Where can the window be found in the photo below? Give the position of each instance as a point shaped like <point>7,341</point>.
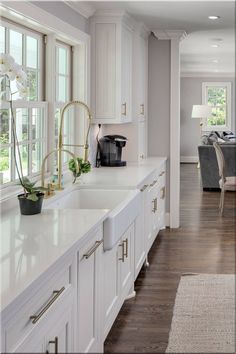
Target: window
<point>31,114</point>
<point>218,95</point>
<point>63,93</point>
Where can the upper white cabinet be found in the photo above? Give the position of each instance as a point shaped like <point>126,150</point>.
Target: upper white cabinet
<point>112,49</point>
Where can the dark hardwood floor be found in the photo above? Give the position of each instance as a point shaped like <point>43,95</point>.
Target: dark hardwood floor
<point>205,243</point>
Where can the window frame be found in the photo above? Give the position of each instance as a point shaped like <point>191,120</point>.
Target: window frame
<point>228,121</point>
<point>53,28</point>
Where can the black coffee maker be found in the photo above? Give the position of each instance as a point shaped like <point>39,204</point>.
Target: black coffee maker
<point>110,151</point>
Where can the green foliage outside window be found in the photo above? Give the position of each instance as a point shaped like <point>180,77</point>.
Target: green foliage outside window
<point>216,97</point>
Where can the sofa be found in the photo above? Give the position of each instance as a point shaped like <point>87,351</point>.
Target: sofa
<point>209,167</point>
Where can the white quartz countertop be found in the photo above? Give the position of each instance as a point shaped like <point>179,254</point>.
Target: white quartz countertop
<point>130,176</point>
<point>31,244</point>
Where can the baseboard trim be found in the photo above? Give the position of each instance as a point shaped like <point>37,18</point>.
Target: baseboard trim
<point>167,219</point>
<point>189,159</point>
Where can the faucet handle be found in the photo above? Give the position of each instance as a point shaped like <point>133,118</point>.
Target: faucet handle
<point>50,190</point>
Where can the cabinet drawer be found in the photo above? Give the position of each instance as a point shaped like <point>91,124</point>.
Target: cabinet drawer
<point>39,302</point>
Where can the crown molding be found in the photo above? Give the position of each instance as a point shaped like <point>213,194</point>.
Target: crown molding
<point>169,34</point>
<point>207,74</point>
<point>82,7</point>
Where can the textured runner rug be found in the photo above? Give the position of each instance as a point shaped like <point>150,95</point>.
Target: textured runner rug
<point>204,315</point>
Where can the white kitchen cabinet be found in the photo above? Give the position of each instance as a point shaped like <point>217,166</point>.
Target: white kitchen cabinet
<point>139,238</point>
<point>118,277</point>
<point>89,295</point>
<point>112,44</point>
<point>54,331</point>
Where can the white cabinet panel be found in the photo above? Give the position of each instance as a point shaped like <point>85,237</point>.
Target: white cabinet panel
<point>89,296</point>
<point>105,82</point>
<point>111,69</point>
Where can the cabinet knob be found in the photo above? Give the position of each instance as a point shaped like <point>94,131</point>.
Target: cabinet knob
<point>124,108</point>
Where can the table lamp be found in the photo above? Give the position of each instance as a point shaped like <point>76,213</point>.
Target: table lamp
<point>201,111</point>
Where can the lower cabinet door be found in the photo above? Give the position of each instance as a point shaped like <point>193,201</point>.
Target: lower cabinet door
<point>126,266</point>
<point>32,344</point>
<point>111,290</point>
<point>53,334</point>
<point>59,338</point>
<point>89,283</point>
<point>139,243</point>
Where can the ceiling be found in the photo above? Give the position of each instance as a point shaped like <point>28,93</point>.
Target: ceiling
<point>197,55</point>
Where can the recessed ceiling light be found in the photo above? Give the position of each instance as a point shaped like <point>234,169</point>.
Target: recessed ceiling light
<point>215,61</point>
<point>215,45</point>
<point>213,17</point>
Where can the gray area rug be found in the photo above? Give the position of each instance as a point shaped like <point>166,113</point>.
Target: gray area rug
<point>204,315</point>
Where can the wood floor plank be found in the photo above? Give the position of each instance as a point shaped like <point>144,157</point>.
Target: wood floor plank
<point>204,243</point>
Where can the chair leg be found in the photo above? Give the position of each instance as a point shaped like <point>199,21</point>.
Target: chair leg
<point>222,200</point>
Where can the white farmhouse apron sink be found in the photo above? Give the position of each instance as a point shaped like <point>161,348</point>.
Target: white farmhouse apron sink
<point>124,206</point>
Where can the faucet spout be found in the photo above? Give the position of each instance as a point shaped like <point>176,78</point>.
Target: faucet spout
<point>60,138</point>
<point>77,166</point>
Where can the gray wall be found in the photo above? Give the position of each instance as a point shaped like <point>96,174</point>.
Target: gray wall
<point>190,94</point>
<point>65,13</point>
<point>159,100</point>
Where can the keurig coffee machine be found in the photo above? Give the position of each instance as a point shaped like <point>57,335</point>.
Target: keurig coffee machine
<point>110,150</point>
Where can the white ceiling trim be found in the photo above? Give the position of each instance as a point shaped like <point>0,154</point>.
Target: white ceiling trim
<point>210,74</point>
<point>83,8</point>
<point>170,34</point>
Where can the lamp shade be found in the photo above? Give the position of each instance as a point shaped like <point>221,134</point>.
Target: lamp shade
<point>201,111</point>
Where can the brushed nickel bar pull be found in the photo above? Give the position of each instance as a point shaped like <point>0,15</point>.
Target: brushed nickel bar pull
<point>153,202</point>
<point>55,342</point>
<point>163,192</point>
<point>143,188</point>
<point>124,109</point>
<point>92,249</point>
<point>153,183</point>
<point>126,247</point>
<point>57,293</point>
<point>122,245</point>
<point>142,109</point>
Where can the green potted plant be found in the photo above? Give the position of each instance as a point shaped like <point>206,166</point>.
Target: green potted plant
<point>84,167</point>
<point>32,197</point>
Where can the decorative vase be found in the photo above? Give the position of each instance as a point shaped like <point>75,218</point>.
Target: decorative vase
<point>30,207</point>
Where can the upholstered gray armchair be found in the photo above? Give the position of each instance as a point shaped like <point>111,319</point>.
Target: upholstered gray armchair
<point>209,166</point>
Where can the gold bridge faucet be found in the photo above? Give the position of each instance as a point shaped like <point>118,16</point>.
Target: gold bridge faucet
<point>60,149</point>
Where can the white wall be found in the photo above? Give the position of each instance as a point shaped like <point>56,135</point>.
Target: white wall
<point>65,13</point>
<point>190,94</point>
<point>159,100</point>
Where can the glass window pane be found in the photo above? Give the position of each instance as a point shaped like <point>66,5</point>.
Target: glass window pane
<point>16,46</point>
<point>62,61</point>
<point>62,94</point>
<point>24,152</point>
<point>37,156</point>
<point>2,39</point>
<point>32,79</point>
<point>56,124</point>
<point>14,89</point>
<point>216,95</point>
<point>5,172</point>
<point>4,126</point>
<point>218,116</point>
<point>31,52</point>
<point>22,124</point>
<point>37,123</point>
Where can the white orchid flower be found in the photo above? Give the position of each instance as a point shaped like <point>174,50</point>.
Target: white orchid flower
<point>11,73</point>
<point>23,92</point>
<point>6,61</point>
<point>21,75</point>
